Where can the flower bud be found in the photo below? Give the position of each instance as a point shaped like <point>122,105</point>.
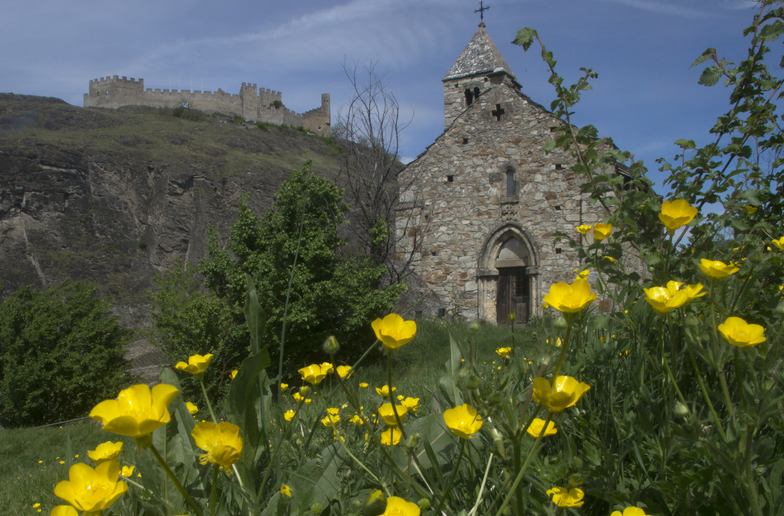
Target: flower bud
<point>304,390</point>
<point>512,317</point>
<point>424,504</point>
<point>375,505</point>
<point>474,382</point>
<point>560,323</point>
<point>474,326</point>
<point>331,345</point>
<point>412,441</point>
<point>316,509</point>
<point>496,398</point>
<point>463,374</point>
<point>651,268</point>
<point>680,409</point>
<point>692,321</point>
<point>356,505</point>
<point>756,257</point>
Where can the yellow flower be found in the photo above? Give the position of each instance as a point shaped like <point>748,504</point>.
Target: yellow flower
<point>193,409</point>
<point>411,404</point>
<point>536,426</point>
<point>676,214</point>
<point>463,421</point>
<point>565,393</point>
<point>739,333</point>
<point>583,229</point>
<point>399,507</point>
<point>284,386</point>
<point>234,374</point>
<point>674,295</point>
<point>357,420</point>
<point>391,436</point>
<point>106,451</point>
<point>583,274</point>
<point>315,373</point>
<point>222,443</point>
<point>363,385</point>
<point>92,490</point>
<point>393,331</point>
<point>779,243</point>
<point>289,415</point>
<point>127,471</point>
<point>196,365</point>
<point>601,231</point>
<point>64,510</point>
<point>630,511</point>
<point>285,491</point>
<point>570,298</point>
<point>384,391</point>
<point>136,412</point>
<point>716,269</point>
<point>307,401</point>
<point>386,413</point>
<point>331,420</point>
<point>297,396</point>
<point>563,497</point>
<point>345,371</point>
<point>504,352</point>
<point>610,258</point>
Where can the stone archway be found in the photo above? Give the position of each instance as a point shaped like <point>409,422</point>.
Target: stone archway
<point>508,276</point>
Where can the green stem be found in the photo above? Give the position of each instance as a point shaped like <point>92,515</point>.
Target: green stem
<point>213,491</point>
<point>667,366</point>
<point>705,394</point>
<point>391,397</point>
<point>190,501</point>
<point>567,338</point>
<point>452,476</point>
<point>207,399</point>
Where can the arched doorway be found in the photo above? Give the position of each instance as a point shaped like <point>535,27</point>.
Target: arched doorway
<point>514,286</point>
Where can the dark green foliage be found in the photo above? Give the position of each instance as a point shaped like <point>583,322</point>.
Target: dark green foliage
<point>331,293</point>
<point>61,352</point>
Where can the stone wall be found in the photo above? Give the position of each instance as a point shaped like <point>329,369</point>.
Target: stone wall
<point>459,194</point>
<point>252,103</point>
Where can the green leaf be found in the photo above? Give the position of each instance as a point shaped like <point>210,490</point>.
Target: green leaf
<point>243,401</point>
<point>254,316</point>
<point>708,54</point>
<point>710,76</point>
<point>525,37</point>
<point>448,381</point>
<point>771,31</point>
<point>685,144</point>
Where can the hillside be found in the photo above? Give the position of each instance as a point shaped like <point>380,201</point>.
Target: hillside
<point>114,196</point>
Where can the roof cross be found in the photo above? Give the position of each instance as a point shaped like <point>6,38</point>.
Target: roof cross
<point>481,11</point>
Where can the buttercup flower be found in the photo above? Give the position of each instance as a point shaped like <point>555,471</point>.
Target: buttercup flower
<point>463,421</point>
<point>92,490</point>
<point>196,365</point>
<point>716,269</point>
<point>676,214</point>
<point>345,371</point>
<point>193,409</point>
<point>739,333</point>
<point>289,415</point>
<point>751,209</point>
<point>297,396</point>
<point>356,420</point>
<point>136,412</point>
<point>411,404</point>
<point>565,393</point>
<point>536,426</point>
<point>570,298</point>
<point>504,352</point>
<point>583,274</point>
<point>105,452</point>
<point>601,231</point>
<point>363,385</point>
<point>285,491</point>
<point>630,511</point>
<point>386,413</point>
<point>64,510</point>
<point>315,373</point>
<point>234,374</point>
<point>399,507</point>
<point>391,436</point>
<point>222,443</point>
<point>393,331</point>
<point>127,471</point>
<point>779,243</point>
<point>674,295</point>
<point>284,386</point>
<point>583,229</point>
<point>384,391</point>
<point>563,497</point>
<point>332,419</point>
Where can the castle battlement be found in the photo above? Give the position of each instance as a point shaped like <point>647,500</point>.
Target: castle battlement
<point>252,103</point>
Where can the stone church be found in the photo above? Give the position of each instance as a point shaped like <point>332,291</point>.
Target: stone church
<point>481,204</point>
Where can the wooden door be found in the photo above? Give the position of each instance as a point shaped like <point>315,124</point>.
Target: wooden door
<point>513,296</point>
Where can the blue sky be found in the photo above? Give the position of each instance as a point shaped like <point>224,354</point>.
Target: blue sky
<point>645,98</point>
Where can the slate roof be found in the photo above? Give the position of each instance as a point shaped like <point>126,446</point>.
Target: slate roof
<point>481,56</point>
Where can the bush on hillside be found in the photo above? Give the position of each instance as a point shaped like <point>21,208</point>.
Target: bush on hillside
<point>61,352</point>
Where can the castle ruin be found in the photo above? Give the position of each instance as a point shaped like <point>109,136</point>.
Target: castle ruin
<point>252,103</point>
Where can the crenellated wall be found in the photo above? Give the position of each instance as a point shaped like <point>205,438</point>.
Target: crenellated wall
<point>252,103</point>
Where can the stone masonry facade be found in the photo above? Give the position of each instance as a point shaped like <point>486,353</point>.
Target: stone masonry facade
<point>252,103</point>
<point>486,198</point>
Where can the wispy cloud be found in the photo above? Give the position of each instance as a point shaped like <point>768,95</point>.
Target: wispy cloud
<point>665,8</point>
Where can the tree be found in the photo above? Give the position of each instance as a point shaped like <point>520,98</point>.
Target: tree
<point>61,353</point>
<point>332,292</point>
<point>371,126</point>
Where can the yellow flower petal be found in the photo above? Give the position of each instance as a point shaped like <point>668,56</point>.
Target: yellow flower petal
<point>393,331</point>
<point>716,269</point>
<point>739,333</point>
<point>676,214</point>
<point>563,394</point>
<point>601,231</point>
<point>564,497</point>
<point>570,298</point>
<point>463,421</point>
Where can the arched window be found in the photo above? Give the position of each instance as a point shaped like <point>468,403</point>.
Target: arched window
<point>469,96</point>
<point>510,182</point>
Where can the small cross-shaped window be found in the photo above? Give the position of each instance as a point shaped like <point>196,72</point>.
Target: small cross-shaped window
<point>497,112</point>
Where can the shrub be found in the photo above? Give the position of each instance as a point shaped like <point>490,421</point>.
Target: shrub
<point>61,351</point>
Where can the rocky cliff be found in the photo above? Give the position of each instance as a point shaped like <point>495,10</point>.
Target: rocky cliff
<point>114,196</point>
